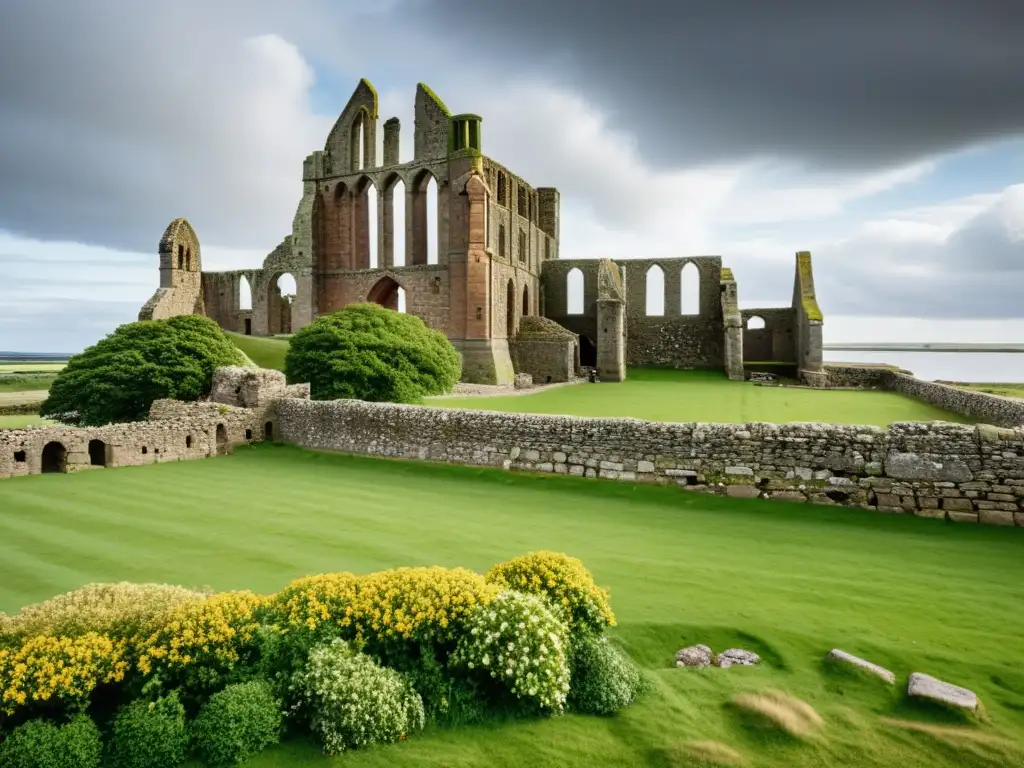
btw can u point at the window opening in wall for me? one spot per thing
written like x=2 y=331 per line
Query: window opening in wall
x=244 y=293
x=222 y=439
x=547 y=249
x=97 y=453
x=655 y=291
x=248 y=434
x=526 y=300
x=689 y=289
x=20 y=457
x=188 y=259
x=522 y=245
x=361 y=145
x=401 y=300
x=479 y=313
x=501 y=189
x=280 y=300
x=181 y=257
x=510 y=310
x=156 y=450
x=188 y=441
x=398 y=223
x=372 y=220
x=248 y=326
x=755 y=323
x=54 y=458
x=521 y=200
x=145 y=450
x=574 y=292
x=431 y=232
x=268 y=430
x=501 y=240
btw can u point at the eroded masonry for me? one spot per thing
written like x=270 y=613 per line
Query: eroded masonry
x=484 y=268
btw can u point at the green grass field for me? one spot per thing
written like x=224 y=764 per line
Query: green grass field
x=1006 y=390
x=789 y=581
x=265 y=352
x=707 y=396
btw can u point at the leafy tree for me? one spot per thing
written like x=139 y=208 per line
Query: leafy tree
x=368 y=352
x=117 y=379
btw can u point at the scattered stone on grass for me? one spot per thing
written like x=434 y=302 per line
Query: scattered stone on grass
x=694 y=656
x=923 y=686
x=788 y=714
x=736 y=657
x=837 y=655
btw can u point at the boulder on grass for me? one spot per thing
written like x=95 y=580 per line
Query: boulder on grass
x=923 y=686
x=694 y=656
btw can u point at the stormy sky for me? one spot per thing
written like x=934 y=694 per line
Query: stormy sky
x=885 y=137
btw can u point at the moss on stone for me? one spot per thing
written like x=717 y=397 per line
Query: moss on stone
x=727 y=275
x=532 y=328
x=436 y=99
x=806 y=280
x=372 y=90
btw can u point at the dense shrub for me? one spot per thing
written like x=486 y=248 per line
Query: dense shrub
x=202 y=641
x=236 y=723
x=367 y=352
x=565 y=581
x=312 y=601
x=149 y=734
x=119 y=610
x=520 y=643
x=604 y=678
x=40 y=744
x=117 y=379
x=352 y=701
x=44 y=668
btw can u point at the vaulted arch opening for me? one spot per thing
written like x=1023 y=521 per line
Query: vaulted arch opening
x=97 y=453
x=755 y=323
x=222 y=439
x=655 y=284
x=244 y=294
x=386 y=293
x=364 y=225
x=574 y=292
x=280 y=302
x=54 y=458
x=393 y=253
x=424 y=219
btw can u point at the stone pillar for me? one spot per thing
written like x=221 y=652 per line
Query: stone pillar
x=611 y=341
x=391 y=144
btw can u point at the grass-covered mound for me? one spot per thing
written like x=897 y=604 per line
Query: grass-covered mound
x=353 y=660
x=118 y=378
x=264 y=351
x=369 y=352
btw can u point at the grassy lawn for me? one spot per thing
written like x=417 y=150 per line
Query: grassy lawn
x=30 y=367
x=265 y=352
x=19 y=421
x=1006 y=390
x=789 y=581
x=708 y=396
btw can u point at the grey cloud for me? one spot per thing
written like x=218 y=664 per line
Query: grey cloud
x=832 y=84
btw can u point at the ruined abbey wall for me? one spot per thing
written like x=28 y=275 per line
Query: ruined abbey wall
x=962 y=473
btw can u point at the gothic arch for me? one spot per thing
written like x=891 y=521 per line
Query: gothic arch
x=385 y=292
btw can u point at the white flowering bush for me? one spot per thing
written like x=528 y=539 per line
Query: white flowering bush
x=519 y=642
x=604 y=678
x=352 y=701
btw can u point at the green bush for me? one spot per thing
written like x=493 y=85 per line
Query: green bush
x=39 y=744
x=352 y=701
x=604 y=678
x=237 y=723
x=117 y=379
x=367 y=352
x=150 y=734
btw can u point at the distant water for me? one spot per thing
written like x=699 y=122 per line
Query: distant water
x=989 y=367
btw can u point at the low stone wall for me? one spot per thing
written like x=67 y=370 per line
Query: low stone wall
x=175 y=431
x=963 y=473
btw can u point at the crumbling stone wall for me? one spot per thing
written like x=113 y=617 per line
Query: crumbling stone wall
x=545 y=350
x=809 y=321
x=773 y=343
x=180 y=291
x=964 y=473
x=176 y=431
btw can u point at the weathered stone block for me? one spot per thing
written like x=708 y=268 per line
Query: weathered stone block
x=912 y=466
x=934 y=513
x=927 y=687
x=963 y=517
x=995 y=517
x=742 y=491
x=847 y=658
x=739 y=471
x=958 y=505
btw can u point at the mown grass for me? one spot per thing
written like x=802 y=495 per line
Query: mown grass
x=787 y=581
x=1006 y=390
x=20 y=420
x=265 y=352
x=708 y=396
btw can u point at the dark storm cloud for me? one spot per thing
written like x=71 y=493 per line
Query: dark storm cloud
x=837 y=84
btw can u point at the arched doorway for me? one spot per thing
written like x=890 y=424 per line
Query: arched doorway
x=222 y=439
x=55 y=458
x=280 y=300
x=510 y=310
x=385 y=292
x=97 y=453
x=526 y=300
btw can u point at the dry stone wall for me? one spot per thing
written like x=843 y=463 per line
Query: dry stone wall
x=959 y=472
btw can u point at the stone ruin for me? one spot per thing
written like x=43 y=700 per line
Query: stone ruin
x=495 y=265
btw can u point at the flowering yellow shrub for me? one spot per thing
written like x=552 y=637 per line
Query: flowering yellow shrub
x=206 y=632
x=45 y=667
x=417 y=603
x=314 y=600
x=565 y=581
x=119 y=610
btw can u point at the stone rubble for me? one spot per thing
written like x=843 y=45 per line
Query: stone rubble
x=694 y=656
x=736 y=657
x=923 y=686
x=848 y=658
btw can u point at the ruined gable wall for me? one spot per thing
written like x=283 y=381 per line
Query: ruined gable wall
x=554 y=287
x=675 y=340
x=776 y=341
x=964 y=473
